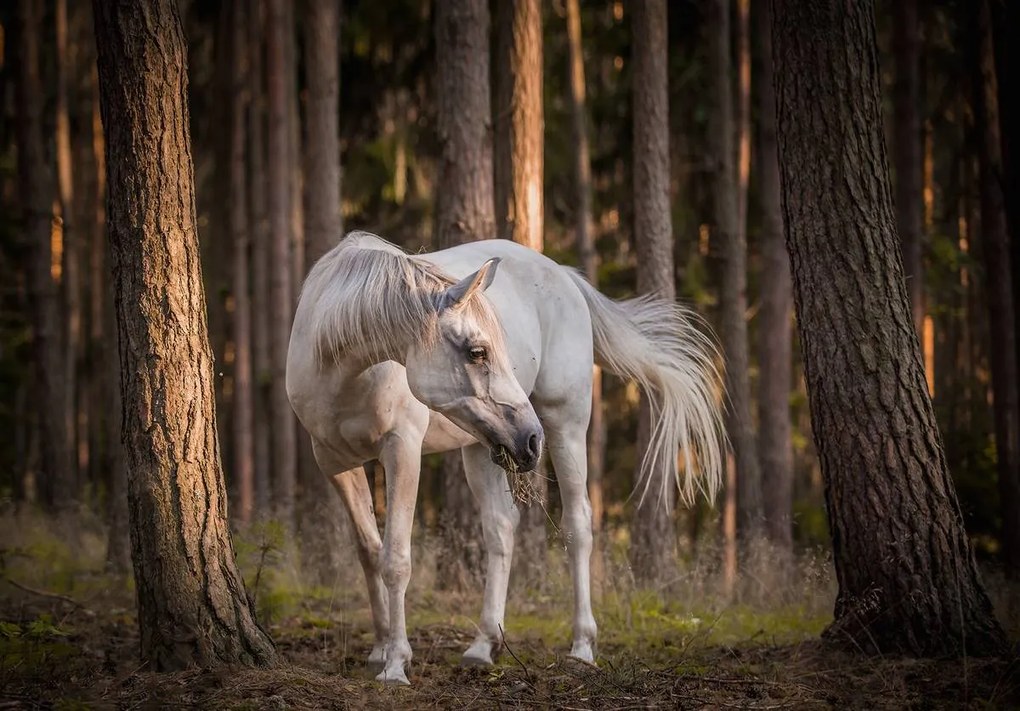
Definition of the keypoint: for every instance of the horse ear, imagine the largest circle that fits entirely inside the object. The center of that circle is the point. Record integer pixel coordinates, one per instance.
(462, 292)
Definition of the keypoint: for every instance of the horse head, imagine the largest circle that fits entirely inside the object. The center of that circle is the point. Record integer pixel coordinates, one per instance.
(465, 374)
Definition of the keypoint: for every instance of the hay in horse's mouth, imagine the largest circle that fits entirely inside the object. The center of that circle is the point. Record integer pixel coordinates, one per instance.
(522, 486)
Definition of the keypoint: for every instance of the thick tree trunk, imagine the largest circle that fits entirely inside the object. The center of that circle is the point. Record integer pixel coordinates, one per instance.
(730, 246)
(653, 538)
(55, 482)
(907, 577)
(193, 609)
(998, 289)
(464, 213)
(322, 156)
(907, 150)
(775, 316)
(244, 454)
(586, 248)
(259, 225)
(519, 165)
(284, 429)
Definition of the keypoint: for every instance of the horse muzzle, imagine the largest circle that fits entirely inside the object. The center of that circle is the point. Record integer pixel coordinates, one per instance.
(522, 454)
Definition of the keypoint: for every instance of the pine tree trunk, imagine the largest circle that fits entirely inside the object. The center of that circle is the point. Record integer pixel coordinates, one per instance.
(322, 167)
(193, 609)
(907, 150)
(907, 577)
(776, 323)
(653, 537)
(1005, 17)
(259, 225)
(730, 246)
(284, 430)
(998, 289)
(519, 165)
(586, 248)
(244, 454)
(55, 482)
(464, 213)
(322, 512)
(71, 268)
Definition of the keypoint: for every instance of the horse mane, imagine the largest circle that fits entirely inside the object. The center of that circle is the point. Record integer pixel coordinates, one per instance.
(370, 297)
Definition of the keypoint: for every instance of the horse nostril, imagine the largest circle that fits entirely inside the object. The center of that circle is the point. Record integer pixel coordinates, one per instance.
(534, 446)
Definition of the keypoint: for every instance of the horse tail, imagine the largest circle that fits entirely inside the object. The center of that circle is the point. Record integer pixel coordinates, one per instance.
(658, 343)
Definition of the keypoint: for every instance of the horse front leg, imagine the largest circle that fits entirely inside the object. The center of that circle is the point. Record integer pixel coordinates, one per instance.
(499, 522)
(401, 458)
(352, 485)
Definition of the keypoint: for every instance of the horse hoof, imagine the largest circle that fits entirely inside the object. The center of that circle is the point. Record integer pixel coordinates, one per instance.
(479, 654)
(583, 652)
(472, 661)
(376, 660)
(393, 677)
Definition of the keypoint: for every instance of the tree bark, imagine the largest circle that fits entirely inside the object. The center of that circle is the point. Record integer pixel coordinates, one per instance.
(71, 269)
(653, 538)
(244, 454)
(775, 324)
(465, 212)
(284, 429)
(519, 123)
(999, 287)
(322, 156)
(55, 482)
(519, 167)
(586, 247)
(193, 609)
(906, 574)
(1005, 17)
(730, 246)
(907, 150)
(259, 225)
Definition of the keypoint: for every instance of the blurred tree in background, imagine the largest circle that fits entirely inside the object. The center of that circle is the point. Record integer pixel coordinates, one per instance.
(263, 92)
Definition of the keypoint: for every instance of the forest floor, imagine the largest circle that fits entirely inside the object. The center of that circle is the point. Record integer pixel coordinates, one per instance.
(69, 640)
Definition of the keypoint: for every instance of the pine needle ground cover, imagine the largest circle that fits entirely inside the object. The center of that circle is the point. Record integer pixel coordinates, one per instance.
(68, 640)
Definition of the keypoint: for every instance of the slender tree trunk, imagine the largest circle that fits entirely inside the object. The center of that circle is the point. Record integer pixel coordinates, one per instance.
(775, 324)
(71, 268)
(1006, 17)
(519, 122)
(56, 478)
(653, 537)
(907, 150)
(464, 213)
(244, 454)
(586, 248)
(322, 167)
(999, 288)
(323, 512)
(284, 431)
(519, 167)
(729, 240)
(259, 225)
(193, 609)
(907, 577)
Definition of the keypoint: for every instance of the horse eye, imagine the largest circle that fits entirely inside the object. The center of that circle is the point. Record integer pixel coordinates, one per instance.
(477, 353)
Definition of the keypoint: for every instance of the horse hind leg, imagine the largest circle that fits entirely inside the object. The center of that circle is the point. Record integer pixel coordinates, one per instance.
(357, 497)
(568, 451)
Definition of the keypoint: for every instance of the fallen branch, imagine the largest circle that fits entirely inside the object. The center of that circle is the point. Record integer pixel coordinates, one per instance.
(53, 596)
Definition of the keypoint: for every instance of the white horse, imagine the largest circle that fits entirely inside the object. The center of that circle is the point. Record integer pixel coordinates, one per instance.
(395, 355)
